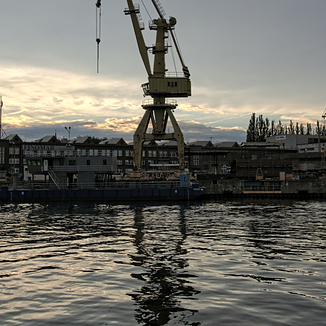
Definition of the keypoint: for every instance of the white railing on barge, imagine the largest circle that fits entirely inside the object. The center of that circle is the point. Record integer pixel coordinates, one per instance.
(97, 185)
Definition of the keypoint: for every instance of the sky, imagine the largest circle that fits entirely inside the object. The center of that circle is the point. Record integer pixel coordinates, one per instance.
(245, 56)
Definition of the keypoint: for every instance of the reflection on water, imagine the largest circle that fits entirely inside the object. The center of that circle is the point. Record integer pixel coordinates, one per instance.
(240, 262)
(159, 242)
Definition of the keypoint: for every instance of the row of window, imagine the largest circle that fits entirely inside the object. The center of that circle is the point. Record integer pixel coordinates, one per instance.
(2, 155)
(14, 161)
(73, 162)
(96, 152)
(78, 152)
(14, 150)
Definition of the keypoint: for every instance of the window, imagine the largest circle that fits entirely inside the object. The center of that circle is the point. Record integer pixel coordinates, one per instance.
(61, 162)
(120, 152)
(196, 160)
(34, 162)
(104, 162)
(119, 162)
(14, 150)
(95, 152)
(91, 152)
(14, 161)
(72, 162)
(88, 162)
(150, 154)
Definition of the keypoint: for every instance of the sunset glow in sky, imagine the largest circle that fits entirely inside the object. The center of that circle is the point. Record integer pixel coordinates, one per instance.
(244, 56)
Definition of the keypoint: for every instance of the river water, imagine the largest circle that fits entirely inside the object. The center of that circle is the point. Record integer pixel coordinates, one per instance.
(239, 262)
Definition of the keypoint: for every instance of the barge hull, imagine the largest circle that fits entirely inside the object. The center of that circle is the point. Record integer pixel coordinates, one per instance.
(104, 195)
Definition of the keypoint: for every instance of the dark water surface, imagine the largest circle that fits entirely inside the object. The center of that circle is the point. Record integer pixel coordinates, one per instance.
(241, 262)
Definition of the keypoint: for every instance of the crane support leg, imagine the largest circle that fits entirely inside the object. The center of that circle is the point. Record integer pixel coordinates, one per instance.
(158, 119)
(178, 136)
(139, 138)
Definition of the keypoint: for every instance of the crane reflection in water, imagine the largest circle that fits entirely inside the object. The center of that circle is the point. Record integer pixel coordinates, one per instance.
(159, 242)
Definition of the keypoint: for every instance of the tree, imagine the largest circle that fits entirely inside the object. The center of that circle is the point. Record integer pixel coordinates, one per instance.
(260, 131)
(309, 129)
(280, 128)
(297, 128)
(251, 129)
(291, 128)
(273, 128)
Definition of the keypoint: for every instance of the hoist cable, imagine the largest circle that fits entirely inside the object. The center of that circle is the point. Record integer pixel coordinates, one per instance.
(173, 59)
(177, 44)
(98, 34)
(146, 10)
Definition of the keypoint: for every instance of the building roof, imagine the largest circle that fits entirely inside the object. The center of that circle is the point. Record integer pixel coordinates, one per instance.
(202, 143)
(14, 138)
(82, 140)
(113, 141)
(47, 139)
(172, 143)
(260, 144)
(227, 144)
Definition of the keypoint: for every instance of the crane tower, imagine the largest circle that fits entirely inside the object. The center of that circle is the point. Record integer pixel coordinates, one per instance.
(160, 86)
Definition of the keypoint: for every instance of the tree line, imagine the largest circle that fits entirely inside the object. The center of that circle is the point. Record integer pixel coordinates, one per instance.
(259, 129)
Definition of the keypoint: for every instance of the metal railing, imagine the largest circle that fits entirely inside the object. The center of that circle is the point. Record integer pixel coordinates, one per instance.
(83, 168)
(54, 177)
(95, 185)
(167, 102)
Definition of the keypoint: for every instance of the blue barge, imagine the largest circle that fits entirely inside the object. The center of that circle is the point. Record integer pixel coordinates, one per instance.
(105, 195)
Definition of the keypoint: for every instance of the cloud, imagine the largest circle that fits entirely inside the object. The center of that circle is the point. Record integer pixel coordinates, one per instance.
(193, 130)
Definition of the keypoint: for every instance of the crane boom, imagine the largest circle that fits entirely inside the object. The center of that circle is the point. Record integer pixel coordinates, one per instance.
(133, 11)
(159, 8)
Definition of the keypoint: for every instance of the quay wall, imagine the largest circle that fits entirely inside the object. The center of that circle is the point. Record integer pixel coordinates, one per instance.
(286, 188)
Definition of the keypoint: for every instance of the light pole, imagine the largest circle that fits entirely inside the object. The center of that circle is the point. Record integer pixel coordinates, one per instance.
(68, 129)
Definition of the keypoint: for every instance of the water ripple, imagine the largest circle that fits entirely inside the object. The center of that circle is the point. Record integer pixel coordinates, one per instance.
(243, 262)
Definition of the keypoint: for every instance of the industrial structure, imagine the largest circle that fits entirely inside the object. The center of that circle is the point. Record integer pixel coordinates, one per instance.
(160, 86)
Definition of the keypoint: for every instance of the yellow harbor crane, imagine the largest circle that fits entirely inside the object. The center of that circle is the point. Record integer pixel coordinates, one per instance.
(161, 85)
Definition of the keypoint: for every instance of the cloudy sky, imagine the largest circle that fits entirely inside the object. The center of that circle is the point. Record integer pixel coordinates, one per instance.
(244, 56)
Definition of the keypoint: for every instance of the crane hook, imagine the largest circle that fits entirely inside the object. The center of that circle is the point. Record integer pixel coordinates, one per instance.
(98, 31)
